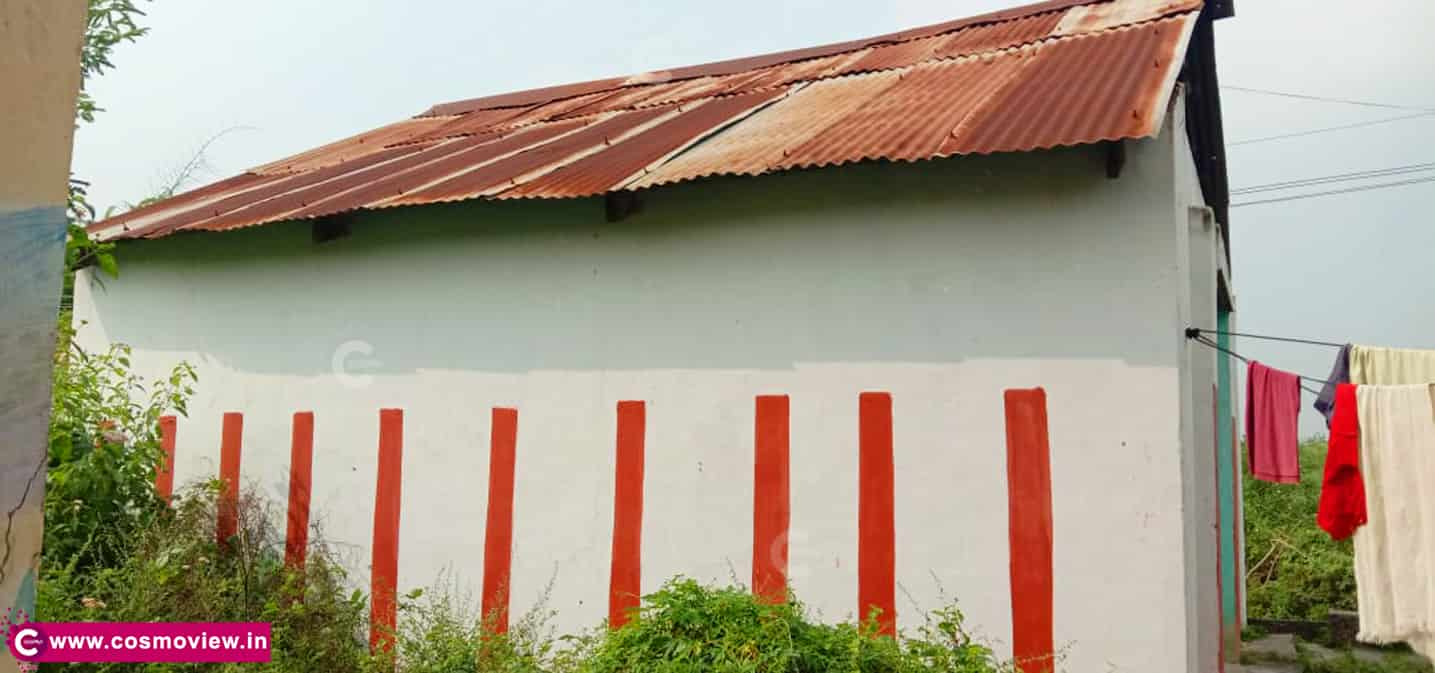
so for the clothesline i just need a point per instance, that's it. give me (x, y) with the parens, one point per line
(1242, 358)
(1193, 332)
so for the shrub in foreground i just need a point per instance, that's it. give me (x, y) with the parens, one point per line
(686, 627)
(177, 571)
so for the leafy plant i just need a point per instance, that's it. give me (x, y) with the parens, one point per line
(686, 626)
(80, 249)
(104, 448)
(1293, 569)
(110, 22)
(438, 633)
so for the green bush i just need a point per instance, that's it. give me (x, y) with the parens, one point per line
(687, 627)
(440, 632)
(1293, 569)
(176, 571)
(104, 447)
(683, 627)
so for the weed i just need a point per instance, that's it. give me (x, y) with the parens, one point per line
(1293, 569)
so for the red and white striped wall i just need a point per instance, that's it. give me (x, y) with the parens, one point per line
(770, 456)
(749, 318)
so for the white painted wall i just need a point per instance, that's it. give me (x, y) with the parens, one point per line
(1199, 244)
(943, 283)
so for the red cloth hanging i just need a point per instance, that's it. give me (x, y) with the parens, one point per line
(1342, 491)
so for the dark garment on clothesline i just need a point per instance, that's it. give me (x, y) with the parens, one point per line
(1339, 373)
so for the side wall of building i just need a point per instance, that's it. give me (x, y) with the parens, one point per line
(40, 68)
(1198, 250)
(942, 283)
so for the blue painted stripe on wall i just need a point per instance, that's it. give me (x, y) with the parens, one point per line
(1228, 473)
(31, 254)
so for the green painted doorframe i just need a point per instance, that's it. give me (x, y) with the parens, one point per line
(1229, 474)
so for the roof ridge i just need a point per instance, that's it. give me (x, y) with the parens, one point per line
(1172, 9)
(548, 94)
(995, 51)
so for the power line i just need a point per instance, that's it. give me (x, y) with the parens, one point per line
(1341, 177)
(1324, 99)
(1347, 190)
(1328, 129)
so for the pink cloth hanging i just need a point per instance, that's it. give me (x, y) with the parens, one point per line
(1272, 430)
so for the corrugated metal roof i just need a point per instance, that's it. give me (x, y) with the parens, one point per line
(617, 164)
(988, 37)
(764, 139)
(354, 146)
(530, 163)
(912, 119)
(1127, 69)
(1062, 72)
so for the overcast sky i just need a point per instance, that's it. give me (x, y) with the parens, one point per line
(280, 76)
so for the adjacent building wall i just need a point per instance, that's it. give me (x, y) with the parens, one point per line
(40, 69)
(1199, 247)
(942, 283)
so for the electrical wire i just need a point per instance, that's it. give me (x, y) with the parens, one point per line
(1347, 190)
(1340, 177)
(1324, 99)
(1328, 129)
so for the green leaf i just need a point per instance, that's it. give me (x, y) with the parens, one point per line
(108, 264)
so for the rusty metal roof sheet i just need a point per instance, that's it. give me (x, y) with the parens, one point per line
(913, 118)
(1129, 70)
(478, 121)
(764, 139)
(616, 164)
(535, 161)
(355, 146)
(988, 37)
(1061, 72)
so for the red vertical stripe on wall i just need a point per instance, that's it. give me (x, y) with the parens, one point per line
(164, 474)
(498, 532)
(387, 496)
(624, 585)
(876, 532)
(1030, 531)
(301, 471)
(771, 505)
(227, 523)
